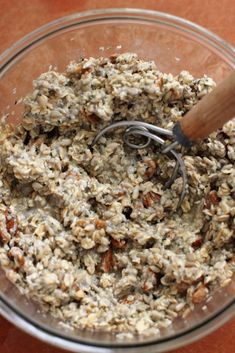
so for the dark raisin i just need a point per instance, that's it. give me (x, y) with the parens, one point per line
(64, 168)
(127, 212)
(93, 204)
(91, 148)
(149, 243)
(27, 138)
(52, 93)
(53, 133)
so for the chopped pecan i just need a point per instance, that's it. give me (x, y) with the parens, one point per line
(212, 199)
(20, 259)
(16, 255)
(152, 281)
(125, 300)
(199, 279)
(158, 277)
(146, 287)
(63, 287)
(79, 68)
(113, 58)
(160, 82)
(120, 193)
(81, 222)
(175, 94)
(150, 198)
(100, 224)
(75, 286)
(103, 63)
(233, 259)
(197, 243)
(182, 288)
(107, 261)
(1, 239)
(151, 167)
(82, 70)
(4, 234)
(92, 118)
(73, 175)
(79, 295)
(11, 222)
(10, 256)
(118, 244)
(199, 295)
(39, 140)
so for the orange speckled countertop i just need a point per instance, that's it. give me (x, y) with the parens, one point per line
(20, 17)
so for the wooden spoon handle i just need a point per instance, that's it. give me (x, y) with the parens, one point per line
(210, 114)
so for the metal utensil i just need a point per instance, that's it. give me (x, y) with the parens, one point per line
(210, 114)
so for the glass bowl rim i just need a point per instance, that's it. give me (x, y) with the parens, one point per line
(7, 59)
(29, 39)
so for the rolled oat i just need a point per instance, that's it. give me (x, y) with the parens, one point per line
(91, 234)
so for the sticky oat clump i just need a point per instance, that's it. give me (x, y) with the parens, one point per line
(90, 233)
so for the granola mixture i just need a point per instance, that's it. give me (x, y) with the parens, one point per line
(91, 233)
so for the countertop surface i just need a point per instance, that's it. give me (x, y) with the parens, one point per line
(21, 17)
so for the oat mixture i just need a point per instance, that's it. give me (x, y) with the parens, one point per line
(91, 233)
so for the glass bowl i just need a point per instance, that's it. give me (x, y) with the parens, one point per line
(175, 44)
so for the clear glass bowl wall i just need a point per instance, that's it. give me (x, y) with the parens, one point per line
(174, 44)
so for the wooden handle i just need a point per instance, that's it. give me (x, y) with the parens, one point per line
(210, 114)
